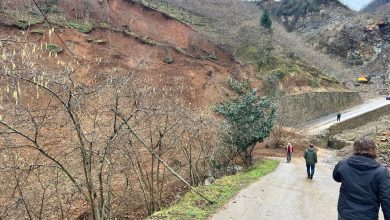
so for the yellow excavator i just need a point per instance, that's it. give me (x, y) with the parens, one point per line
(364, 79)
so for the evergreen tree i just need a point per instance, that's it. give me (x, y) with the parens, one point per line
(248, 119)
(265, 20)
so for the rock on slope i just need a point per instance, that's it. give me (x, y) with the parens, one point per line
(361, 40)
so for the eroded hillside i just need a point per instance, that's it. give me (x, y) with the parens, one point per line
(104, 103)
(360, 40)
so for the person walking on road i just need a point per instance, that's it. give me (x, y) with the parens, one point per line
(311, 160)
(365, 184)
(289, 152)
(338, 116)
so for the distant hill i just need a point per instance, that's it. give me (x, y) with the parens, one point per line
(377, 6)
(358, 39)
(293, 12)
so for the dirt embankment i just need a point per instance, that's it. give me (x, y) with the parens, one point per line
(173, 55)
(138, 42)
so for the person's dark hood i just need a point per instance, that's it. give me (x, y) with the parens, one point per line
(310, 149)
(362, 163)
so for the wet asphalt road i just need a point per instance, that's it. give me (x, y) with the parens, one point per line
(286, 194)
(320, 124)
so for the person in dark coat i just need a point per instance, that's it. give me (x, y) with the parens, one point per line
(310, 156)
(365, 184)
(289, 152)
(338, 116)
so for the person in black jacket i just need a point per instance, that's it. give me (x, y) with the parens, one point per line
(365, 184)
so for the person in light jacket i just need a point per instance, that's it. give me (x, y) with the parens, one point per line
(365, 184)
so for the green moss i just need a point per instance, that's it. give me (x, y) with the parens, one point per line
(25, 23)
(81, 26)
(53, 48)
(192, 206)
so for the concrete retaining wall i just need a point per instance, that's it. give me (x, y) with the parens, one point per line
(359, 120)
(297, 109)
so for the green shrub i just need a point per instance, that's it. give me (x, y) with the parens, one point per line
(250, 52)
(39, 31)
(49, 7)
(279, 74)
(57, 19)
(248, 119)
(25, 24)
(168, 60)
(53, 48)
(83, 27)
(314, 83)
(104, 25)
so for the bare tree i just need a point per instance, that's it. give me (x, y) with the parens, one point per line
(88, 149)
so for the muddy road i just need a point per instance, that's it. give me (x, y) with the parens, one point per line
(286, 194)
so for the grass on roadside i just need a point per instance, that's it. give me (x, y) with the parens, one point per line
(192, 206)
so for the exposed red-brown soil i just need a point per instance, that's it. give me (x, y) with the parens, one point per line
(267, 148)
(196, 76)
(196, 81)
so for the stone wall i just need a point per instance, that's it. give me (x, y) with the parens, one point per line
(297, 109)
(358, 121)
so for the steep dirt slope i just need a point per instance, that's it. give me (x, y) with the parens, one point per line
(235, 26)
(167, 56)
(180, 71)
(359, 40)
(172, 53)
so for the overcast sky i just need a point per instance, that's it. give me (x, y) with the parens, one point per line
(355, 4)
